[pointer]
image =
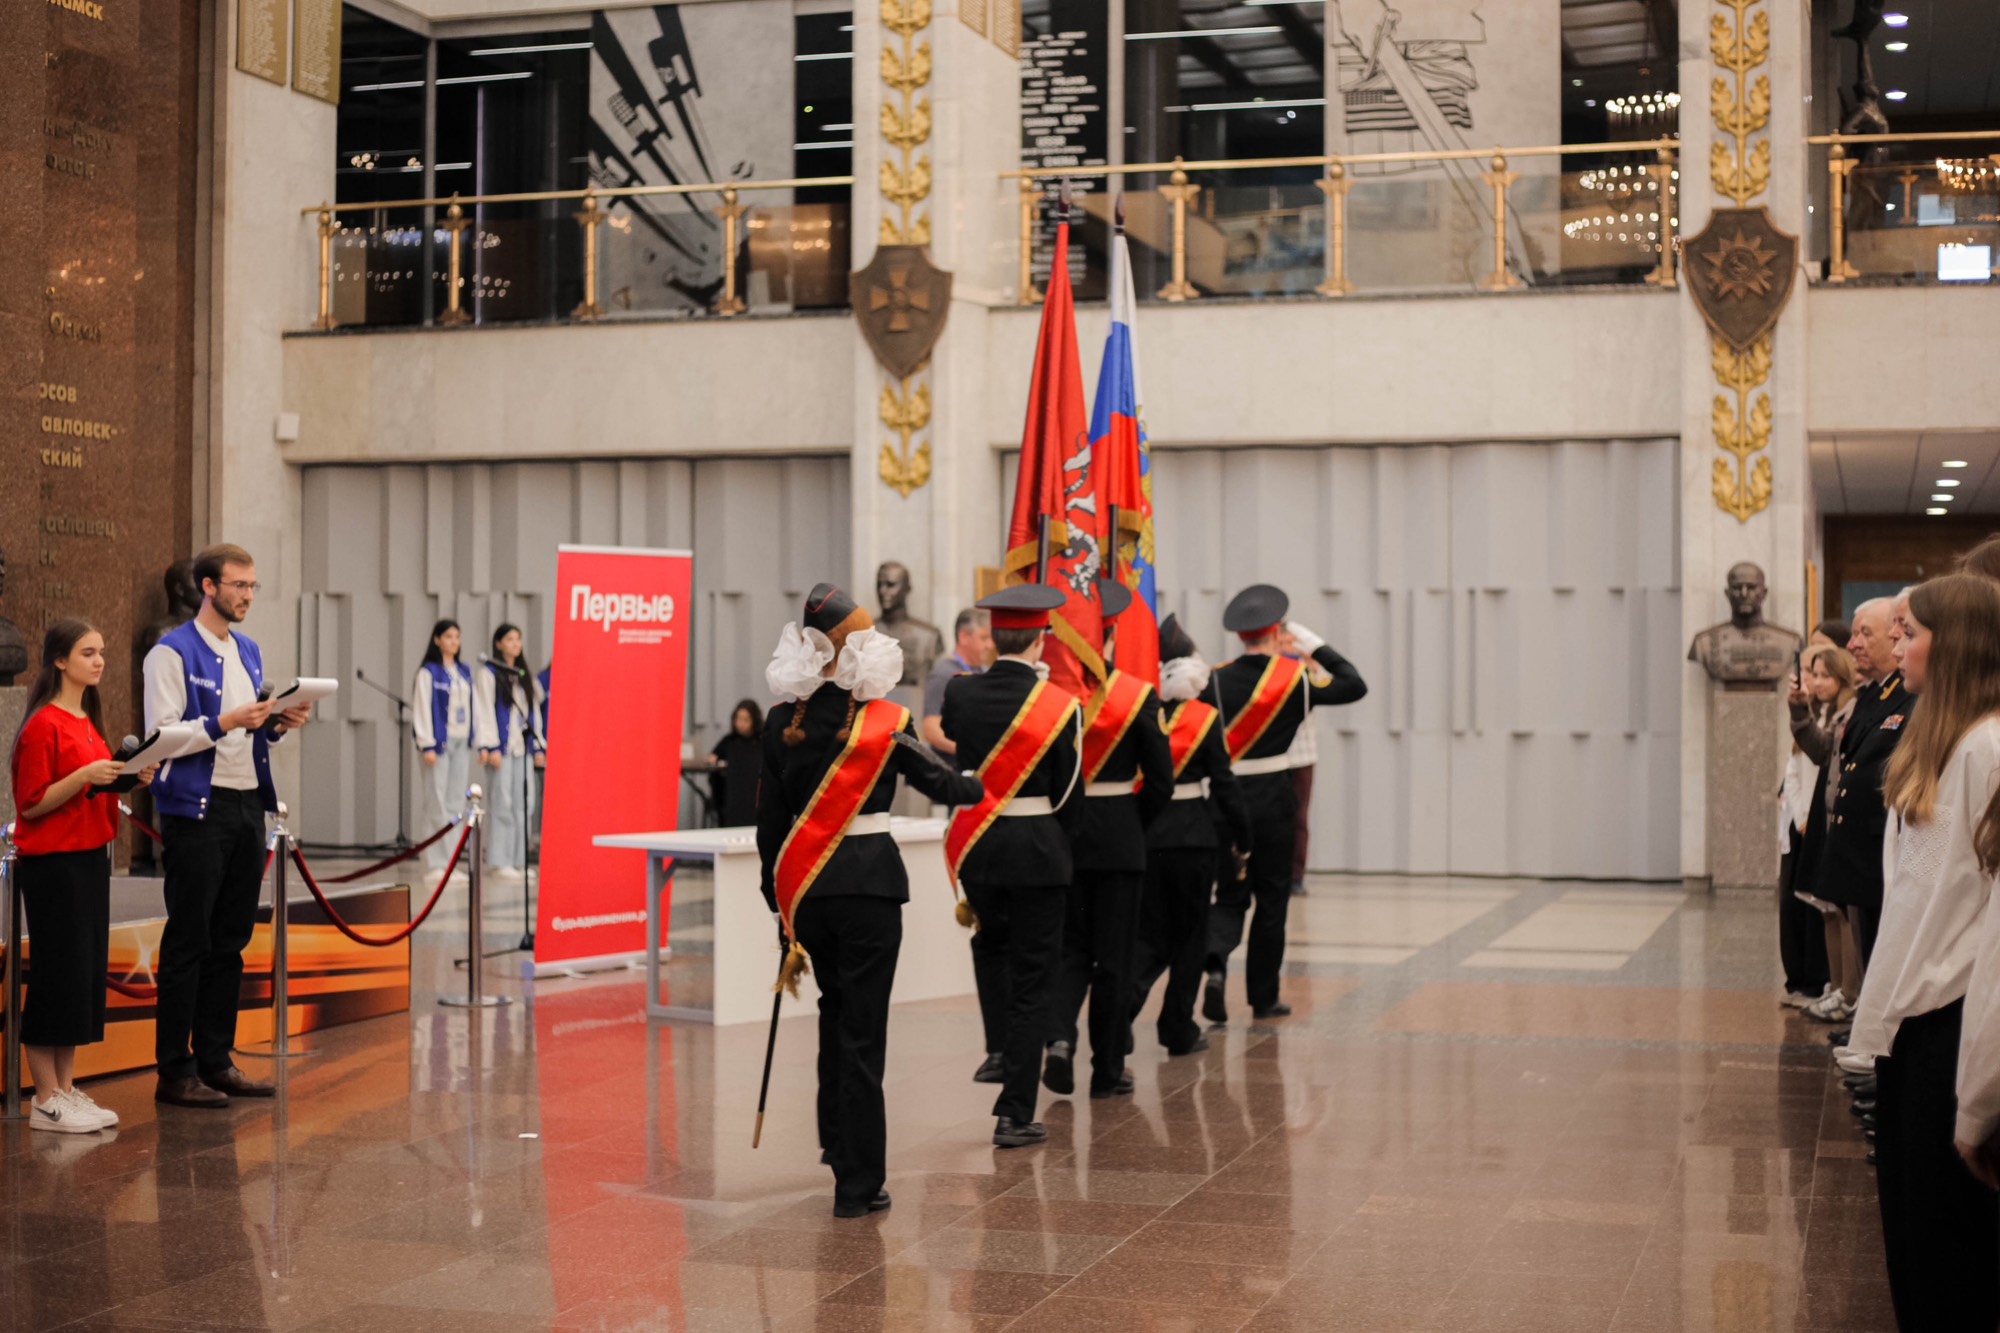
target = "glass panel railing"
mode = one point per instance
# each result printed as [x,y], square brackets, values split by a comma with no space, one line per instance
[1937,219]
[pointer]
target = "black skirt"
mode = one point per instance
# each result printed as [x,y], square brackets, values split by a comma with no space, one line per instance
[68,899]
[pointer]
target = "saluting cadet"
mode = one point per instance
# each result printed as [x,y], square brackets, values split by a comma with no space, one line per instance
[1182,845]
[1264,698]
[1011,852]
[1127,780]
[832,871]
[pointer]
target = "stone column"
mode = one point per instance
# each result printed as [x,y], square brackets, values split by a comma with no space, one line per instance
[1774,528]
[944,190]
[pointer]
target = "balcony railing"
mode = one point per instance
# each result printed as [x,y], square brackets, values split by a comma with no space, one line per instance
[1904,206]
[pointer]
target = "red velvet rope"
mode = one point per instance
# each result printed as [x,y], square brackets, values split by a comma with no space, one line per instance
[299,859]
[146,829]
[130,990]
[421,847]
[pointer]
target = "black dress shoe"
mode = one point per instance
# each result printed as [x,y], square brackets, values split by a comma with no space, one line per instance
[874,1205]
[1011,1133]
[189,1092]
[1212,1007]
[1200,1043]
[236,1083]
[1058,1072]
[1273,1011]
[1122,1088]
[993,1070]
[1839,1036]
[1859,1108]
[1861,1085]
[1870,1158]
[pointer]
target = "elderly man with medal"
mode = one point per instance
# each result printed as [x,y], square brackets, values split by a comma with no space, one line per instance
[832,872]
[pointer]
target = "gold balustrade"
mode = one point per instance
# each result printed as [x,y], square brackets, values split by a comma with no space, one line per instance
[1840,169]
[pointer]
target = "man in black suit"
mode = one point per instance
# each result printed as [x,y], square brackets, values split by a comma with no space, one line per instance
[1016,871]
[1123,748]
[1197,837]
[849,917]
[1264,698]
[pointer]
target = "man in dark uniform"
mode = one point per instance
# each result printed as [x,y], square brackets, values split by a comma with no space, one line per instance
[1202,835]
[845,909]
[1012,853]
[1123,749]
[1264,698]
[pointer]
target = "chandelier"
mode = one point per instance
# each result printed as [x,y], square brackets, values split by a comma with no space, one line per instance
[1654,115]
[1969,175]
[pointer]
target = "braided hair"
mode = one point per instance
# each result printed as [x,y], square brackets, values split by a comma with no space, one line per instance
[795,734]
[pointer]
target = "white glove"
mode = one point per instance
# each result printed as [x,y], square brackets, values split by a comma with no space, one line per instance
[1307,641]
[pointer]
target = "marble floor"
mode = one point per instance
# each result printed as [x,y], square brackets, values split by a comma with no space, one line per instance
[1501,1105]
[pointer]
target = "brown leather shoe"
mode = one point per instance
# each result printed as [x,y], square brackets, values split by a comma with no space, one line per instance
[239,1084]
[189,1092]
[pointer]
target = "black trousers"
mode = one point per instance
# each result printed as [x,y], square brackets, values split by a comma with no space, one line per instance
[1173,937]
[67,896]
[1801,933]
[989,978]
[1024,924]
[1100,918]
[1269,887]
[215,874]
[1940,1227]
[854,943]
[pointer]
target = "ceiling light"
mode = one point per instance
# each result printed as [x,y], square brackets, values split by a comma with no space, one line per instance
[1895,94]
[1946,481]
[1898,47]
[823,143]
[1576,83]
[486,78]
[1202,32]
[530,50]
[826,55]
[384,87]
[1936,511]
[1956,462]
[1258,105]
[1942,499]
[1897,20]
[1590,101]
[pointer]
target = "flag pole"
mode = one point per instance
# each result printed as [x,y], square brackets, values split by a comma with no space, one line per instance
[770,1049]
[1117,538]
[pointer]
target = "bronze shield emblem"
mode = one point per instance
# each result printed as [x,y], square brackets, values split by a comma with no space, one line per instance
[901,300]
[1739,271]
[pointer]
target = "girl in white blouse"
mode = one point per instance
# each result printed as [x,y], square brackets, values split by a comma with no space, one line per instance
[1940,1227]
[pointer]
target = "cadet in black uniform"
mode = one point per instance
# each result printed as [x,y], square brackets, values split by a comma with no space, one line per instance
[1256,614]
[1108,853]
[1016,873]
[850,918]
[1203,834]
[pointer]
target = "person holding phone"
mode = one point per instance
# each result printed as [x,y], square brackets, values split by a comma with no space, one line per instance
[64,832]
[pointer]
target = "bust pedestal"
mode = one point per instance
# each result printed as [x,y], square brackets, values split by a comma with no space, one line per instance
[13,711]
[1747,745]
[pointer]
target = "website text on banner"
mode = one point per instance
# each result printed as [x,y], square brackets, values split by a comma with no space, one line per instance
[620,677]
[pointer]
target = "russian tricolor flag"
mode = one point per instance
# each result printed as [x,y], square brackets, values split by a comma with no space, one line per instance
[1123,469]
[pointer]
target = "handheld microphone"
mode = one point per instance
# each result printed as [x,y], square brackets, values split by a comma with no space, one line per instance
[126,749]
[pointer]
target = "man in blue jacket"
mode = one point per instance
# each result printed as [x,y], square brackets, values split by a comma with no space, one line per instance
[212,799]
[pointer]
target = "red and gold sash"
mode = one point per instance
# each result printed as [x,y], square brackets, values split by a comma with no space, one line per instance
[1187,731]
[1109,716]
[817,832]
[1044,714]
[1274,690]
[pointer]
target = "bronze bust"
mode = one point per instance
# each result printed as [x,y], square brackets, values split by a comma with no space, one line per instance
[1744,650]
[13,647]
[922,643]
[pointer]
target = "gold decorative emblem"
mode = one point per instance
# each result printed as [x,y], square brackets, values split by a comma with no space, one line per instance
[906,413]
[1740,268]
[901,301]
[908,183]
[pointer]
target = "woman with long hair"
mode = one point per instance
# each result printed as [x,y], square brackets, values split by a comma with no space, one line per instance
[1820,708]
[506,728]
[63,834]
[740,759]
[441,720]
[1940,1227]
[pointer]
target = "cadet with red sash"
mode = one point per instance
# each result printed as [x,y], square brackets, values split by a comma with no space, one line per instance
[831,870]
[1185,854]
[1264,697]
[1127,780]
[1011,852]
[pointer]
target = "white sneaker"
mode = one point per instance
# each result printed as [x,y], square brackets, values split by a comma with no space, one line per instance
[87,1107]
[1832,1007]
[57,1116]
[1853,1061]
[505,872]
[1798,999]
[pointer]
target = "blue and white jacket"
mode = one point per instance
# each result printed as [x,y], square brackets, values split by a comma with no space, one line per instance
[183,784]
[441,705]
[497,699]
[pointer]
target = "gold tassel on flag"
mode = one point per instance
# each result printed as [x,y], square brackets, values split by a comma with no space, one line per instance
[796,965]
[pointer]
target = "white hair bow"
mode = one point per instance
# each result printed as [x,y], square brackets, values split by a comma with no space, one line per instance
[798,664]
[1183,678]
[870,664]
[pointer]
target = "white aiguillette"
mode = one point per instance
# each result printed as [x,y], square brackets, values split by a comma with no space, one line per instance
[304,692]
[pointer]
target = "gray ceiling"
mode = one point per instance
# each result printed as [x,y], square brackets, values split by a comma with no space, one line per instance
[1952,66]
[1896,473]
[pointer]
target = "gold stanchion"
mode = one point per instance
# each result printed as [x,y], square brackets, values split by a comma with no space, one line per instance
[1031,205]
[455,223]
[1180,194]
[732,213]
[1663,276]
[588,217]
[326,231]
[1335,187]
[1500,279]
[1839,166]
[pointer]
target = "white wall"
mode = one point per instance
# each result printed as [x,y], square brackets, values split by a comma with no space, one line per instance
[1903,358]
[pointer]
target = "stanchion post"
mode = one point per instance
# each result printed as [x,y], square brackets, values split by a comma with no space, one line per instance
[326,231]
[732,217]
[281,953]
[475,847]
[1500,279]
[1839,167]
[1180,194]
[1031,203]
[1663,276]
[12,1079]
[454,308]
[1335,187]
[589,217]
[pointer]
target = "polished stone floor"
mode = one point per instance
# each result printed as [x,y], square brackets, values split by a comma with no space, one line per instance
[1501,1105]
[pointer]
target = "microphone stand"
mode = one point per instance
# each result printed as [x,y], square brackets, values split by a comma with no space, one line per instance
[402,760]
[530,816]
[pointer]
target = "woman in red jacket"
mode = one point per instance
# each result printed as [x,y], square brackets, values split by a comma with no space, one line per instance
[63,872]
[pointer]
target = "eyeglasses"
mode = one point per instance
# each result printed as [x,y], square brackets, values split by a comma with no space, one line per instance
[243,587]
